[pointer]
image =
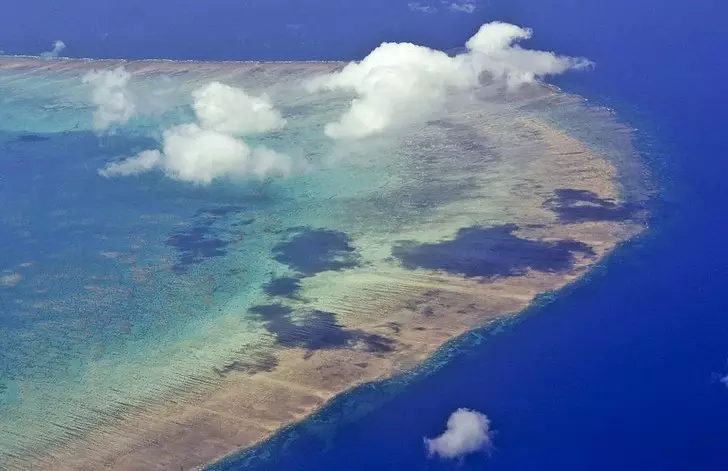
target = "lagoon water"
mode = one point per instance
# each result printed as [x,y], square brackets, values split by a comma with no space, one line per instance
[620,371]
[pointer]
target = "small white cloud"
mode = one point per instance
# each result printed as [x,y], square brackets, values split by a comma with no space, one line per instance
[232,111]
[111,96]
[724,380]
[194,154]
[400,83]
[58,47]
[420,8]
[142,162]
[465,7]
[467,432]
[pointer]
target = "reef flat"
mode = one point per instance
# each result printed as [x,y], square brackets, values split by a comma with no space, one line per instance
[191,329]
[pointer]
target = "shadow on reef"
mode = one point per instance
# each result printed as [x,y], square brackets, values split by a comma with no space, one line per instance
[582,205]
[315,330]
[490,252]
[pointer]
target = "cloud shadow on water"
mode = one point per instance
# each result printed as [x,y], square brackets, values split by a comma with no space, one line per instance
[490,252]
[311,251]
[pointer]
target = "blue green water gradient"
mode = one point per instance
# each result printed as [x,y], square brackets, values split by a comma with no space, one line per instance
[620,373]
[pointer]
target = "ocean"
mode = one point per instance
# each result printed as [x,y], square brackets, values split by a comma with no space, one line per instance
[619,371]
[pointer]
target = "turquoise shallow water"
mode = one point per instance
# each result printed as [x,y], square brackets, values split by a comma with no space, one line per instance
[103,276]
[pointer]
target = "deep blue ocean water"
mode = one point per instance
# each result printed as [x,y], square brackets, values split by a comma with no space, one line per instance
[619,372]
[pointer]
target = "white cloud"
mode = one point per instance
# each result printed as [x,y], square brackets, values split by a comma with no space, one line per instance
[267,162]
[232,111]
[724,380]
[467,432]
[211,149]
[391,83]
[465,7]
[194,154]
[494,50]
[58,47]
[142,162]
[418,7]
[111,96]
[398,83]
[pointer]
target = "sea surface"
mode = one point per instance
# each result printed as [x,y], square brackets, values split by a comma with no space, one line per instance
[620,371]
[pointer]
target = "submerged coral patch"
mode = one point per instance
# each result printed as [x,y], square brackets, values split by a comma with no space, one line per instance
[489,252]
[203,240]
[311,251]
[315,330]
[285,286]
[195,245]
[582,205]
[252,363]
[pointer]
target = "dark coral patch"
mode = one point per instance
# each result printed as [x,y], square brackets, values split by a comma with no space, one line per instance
[286,287]
[195,245]
[207,238]
[258,362]
[311,251]
[375,343]
[270,312]
[315,330]
[489,252]
[581,205]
